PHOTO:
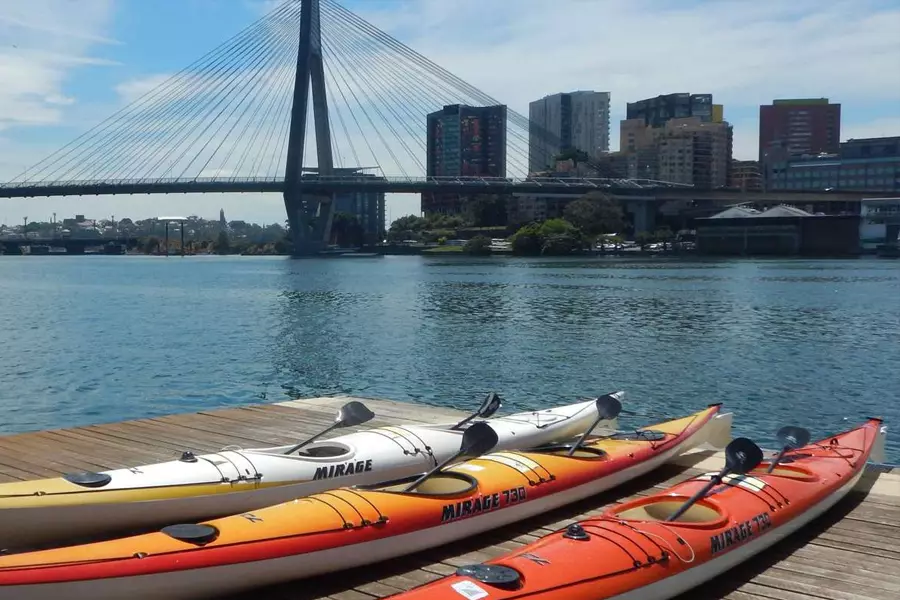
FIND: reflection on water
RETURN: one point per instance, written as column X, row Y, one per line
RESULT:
column 813, row 343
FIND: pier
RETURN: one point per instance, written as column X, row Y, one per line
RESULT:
column 850, row 553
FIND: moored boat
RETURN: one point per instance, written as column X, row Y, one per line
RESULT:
column 236, row 480
column 352, row 526
column 658, row 547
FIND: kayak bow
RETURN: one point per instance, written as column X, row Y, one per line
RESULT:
column 353, row 526
column 634, row 551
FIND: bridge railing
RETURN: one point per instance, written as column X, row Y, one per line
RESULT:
column 484, row 182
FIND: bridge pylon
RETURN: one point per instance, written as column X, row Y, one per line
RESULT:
column 309, row 215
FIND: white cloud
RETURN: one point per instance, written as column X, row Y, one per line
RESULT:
column 744, row 52
column 42, row 42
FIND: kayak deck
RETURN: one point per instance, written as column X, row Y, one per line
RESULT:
column 849, row 554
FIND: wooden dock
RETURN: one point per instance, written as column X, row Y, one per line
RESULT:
column 851, row 553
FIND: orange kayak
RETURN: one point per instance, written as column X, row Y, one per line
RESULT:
column 637, row 551
column 353, row 526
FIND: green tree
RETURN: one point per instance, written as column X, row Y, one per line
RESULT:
column 643, row 238
column 222, row 243
column 152, row 245
column 478, row 245
column 664, row 235
column 527, row 241
column 486, row 210
column 595, row 214
column 579, row 156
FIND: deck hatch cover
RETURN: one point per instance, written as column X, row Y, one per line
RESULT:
column 192, row 533
column 497, row 575
column 88, row 479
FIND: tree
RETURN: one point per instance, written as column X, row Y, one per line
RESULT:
column 643, row 238
column 664, row 235
column 595, row 214
column 222, row 243
column 486, row 210
column 527, row 240
column 478, row 245
column 573, row 154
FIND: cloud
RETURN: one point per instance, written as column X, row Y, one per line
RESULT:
column 743, row 52
column 42, row 43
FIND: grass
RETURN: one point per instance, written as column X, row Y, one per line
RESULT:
column 443, row 250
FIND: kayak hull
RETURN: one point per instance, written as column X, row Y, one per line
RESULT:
column 632, row 552
column 257, row 567
column 234, row 481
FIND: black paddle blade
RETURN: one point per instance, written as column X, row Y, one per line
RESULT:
column 792, row 437
column 353, row 413
column 491, row 404
column 742, row 455
column 608, row 407
column 478, row 439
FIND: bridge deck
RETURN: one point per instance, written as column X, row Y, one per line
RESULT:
column 849, row 554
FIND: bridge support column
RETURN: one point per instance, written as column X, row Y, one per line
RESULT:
column 643, row 211
column 309, row 216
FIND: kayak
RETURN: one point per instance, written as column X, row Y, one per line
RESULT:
column 353, row 526
column 636, row 550
column 233, row 480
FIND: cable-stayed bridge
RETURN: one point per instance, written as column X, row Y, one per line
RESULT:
column 237, row 120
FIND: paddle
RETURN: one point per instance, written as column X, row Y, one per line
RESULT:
column 741, row 455
column 491, row 404
column 790, row 438
column 608, row 407
column 476, row 440
column 349, row 415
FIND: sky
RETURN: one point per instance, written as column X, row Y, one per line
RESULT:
column 65, row 65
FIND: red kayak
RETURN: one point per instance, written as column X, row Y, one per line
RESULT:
column 658, row 547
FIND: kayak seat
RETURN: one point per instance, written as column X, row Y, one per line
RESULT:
column 447, row 483
column 660, row 510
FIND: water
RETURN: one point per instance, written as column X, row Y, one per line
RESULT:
column 98, row 339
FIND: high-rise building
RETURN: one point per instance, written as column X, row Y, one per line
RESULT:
column 686, row 150
column 464, row 141
column 368, row 207
column 574, row 120
column 799, row 126
column 656, row 111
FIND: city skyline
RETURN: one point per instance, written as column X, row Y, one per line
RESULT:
column 104, row 52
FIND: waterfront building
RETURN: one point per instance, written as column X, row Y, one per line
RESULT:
column 745, row 175
column 367, row 206
column 800, row 126
column 871, row 164
column 683, row 150
column 781, row 230
column 879, row 223
column 655, row 112
column 572, row 120
column 463, row 141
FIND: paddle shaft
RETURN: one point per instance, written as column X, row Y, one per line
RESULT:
column 777, row 459
column 716, row 480
column 318, row 435
column 418, row 481
column 584, row 435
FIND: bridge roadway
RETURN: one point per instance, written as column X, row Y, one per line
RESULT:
column 632, row 189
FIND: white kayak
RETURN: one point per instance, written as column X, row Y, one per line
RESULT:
column 239, row 480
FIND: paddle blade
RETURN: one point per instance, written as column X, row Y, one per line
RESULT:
column 608, row 407
column 478, row 439
column 491, row 404
column 352, row 414
column 742, row 455
column 792, row 437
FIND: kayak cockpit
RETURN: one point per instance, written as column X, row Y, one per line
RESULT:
column 324, row 450
column 660, row 509
column 446, row 483
column 564, row 449
column 780, row 470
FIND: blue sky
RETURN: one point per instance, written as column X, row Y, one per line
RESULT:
column 67, row 64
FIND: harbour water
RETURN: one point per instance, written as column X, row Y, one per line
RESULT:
column 98, row 339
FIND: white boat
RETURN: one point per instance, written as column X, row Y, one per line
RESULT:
column 238, row 480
